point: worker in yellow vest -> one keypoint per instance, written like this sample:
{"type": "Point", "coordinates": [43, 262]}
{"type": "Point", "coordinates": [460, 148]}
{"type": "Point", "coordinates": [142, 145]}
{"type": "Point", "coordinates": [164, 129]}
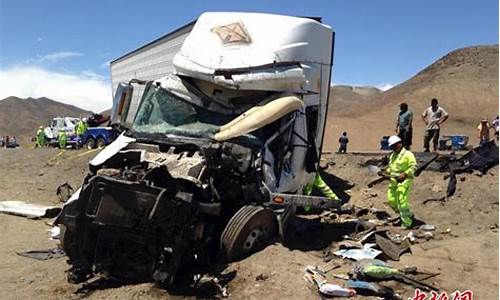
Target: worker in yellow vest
{"type": "Point", "coordinates": [320, 184]}
{"type": "Point", "coordinates": [401, 170]}
{"type": "Point", "coordinates": [40, 137]}
{"type": "Point", "coordinates": [62, 137]}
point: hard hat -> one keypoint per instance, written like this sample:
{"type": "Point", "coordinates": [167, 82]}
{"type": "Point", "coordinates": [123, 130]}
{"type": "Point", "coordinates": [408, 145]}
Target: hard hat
{"type": "Point", "coordinates": [41, 127]}
{"type": "Point", "coordinates": [485, 119]}
{"type": "Point", "coordinates": [84, 119]}
{"type": "Point", "coordinates": [394, 139]}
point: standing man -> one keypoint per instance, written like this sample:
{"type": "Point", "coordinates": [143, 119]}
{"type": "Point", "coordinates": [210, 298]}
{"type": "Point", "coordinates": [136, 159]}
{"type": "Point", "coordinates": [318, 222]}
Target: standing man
{"type": "Point", "coordinates": [433, 117]}
{"type": "Point", "coordinates": [343, 141]}
{"type": "Point", "coordinates": [483, 131]}
{"type": "Point", "coordinates": [40, 137]}
{"type": "Point", "coordinates": [404, 125]}
{"type": "Point", "coordinates": [401, 170]}
{"type": "Point", "coordinates": [80, 129]}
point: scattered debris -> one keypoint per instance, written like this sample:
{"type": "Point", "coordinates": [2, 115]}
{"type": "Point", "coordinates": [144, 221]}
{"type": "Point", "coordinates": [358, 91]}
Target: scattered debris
{"type": "Point", "coordinates": [64, 192]}
{"type": "Point", "coordinates": [262, 277]}
{"type": "Point", "coordinates": [329, 289]}
{"type": "Point", "coordinates": [373, 288]}
{"type": "Point", "coordinates": [209, 286]}
{"type": "Point", "coordinates": [55, 233]}
{"type": "Point", "coordinates": [391, 249]}
{"type": "Point", "coordinates": [43, 254]}
{"type": "Point", "coordinates": [379, 270]}
{"type": "Point", "coordinates": [20, 208]}
{"type": "Point", "coordinates": [358, 254]}
{"type": "Point", "coordinates": [427, 227]}
{"type": "Point", "coordinates": [315, 276]}
{"type": "Point", "coordinates": [411, 236]}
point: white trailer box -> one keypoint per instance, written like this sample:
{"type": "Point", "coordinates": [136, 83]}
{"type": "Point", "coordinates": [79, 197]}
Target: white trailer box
{"type": "Point", "coordinates": [149, 62]}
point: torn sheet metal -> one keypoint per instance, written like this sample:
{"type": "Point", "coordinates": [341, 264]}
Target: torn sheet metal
{"type": "Point", "coordinates": [121, 142]}
{"type": "Point", "coordinates": [357, 254]}
{"type": "Point", "coordinates": [43, 254]}
{"type": "Point", "coordinates": [28, 210]}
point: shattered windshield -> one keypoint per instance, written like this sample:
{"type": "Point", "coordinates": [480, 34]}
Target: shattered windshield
{"type": "Point", "coordinates": [161, 112]}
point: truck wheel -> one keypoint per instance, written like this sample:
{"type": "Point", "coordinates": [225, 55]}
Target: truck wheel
{"type": "Point", "coordinates": [250, 229]}
{"type": "Point", "coordinates": [90, 144]}
{"type": "Point", "coordinates": [101, 143]}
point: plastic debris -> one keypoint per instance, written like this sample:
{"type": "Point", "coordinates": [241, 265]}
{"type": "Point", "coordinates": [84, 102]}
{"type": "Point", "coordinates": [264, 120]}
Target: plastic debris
{"type": "Point", "coordinates": [20, 208]}
{"type": "Point", "coordinates": [377, 269]}
{"type": "Point", "coordinates": [336, 290]}
{"type": "Point", "coordinates": [357, 254]}
{"type": "Point", "coordinates": [411, 236]}
{"type": "Point", "coordinates": [373, 287]}
{"type": "Point", "coordinates": [428, 227]}
{"type": "Point", "coordinates": [55, 232]}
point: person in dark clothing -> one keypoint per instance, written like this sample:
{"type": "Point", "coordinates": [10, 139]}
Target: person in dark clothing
{"type": "Point", "coordinates": [404, 125]}
{"type": "Point", "coordinates": [343, 140]}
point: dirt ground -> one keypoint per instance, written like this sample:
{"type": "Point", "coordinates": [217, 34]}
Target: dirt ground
{"type": "Point", "coordinates": [466, 257]}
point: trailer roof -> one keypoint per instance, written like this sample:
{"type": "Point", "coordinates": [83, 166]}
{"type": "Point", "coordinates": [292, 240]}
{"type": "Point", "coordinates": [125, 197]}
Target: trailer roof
{"type": "Point", "coordinates": [168, 35]}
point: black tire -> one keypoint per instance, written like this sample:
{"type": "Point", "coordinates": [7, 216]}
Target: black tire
{"type": "Point", "coordinates": [90, 144]}
{"type": "Point", "coordinates": [101, 143]}
{"type": "Point", "coordinates": [250, 229]}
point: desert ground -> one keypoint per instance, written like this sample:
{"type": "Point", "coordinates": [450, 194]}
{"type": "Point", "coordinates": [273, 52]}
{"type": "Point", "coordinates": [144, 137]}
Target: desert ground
{"type": "Point", "coordinates": [466, 256]}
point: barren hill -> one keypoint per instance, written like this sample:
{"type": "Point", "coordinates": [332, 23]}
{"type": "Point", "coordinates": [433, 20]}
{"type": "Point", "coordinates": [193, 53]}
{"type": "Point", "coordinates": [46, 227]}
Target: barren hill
{"type": "Point", "coordinates": [465, 81]}
{"type": "Point", "coordinates": [21, 117]}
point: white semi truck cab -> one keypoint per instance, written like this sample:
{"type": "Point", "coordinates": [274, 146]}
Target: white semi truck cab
{"type": "Point", "coordinates": [217, 155]}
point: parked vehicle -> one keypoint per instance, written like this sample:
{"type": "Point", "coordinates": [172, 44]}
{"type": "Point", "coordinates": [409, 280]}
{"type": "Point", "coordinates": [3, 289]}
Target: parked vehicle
{"type": "Point", "coordinates": [66, 124]}
{"type": "Point", "coordinates": [97, 137]}
{"type": "Point", "coordinates": [216, 158]}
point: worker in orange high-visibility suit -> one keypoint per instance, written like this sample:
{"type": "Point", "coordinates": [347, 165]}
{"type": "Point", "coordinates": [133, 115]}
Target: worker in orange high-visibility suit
{"type": "Point", "coordinates": [401, 170]}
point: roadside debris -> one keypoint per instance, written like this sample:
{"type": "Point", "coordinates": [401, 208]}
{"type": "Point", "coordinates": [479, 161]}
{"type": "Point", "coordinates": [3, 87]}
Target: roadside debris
{"type": "Point", "coordinates": [315, 276]}
{"type": "Point", "coordinates": [43, 254]}
{"type": "Point", "coordinates": [336, 290]}
{"type": "Point", "coordinates": [391, 249]}
{"type": "Point", "coordinates": [372, 288]}
{"type": "Point", "coordinates": [357, 254]}
{"type": "Point", "coordinates": [20, 208]}
{"type": "Point", "coordinates": [64, 192]}
{"type": "Point", "coordinates": [376, 269]}
{"type": "Point", "coordinates": [55, 232]}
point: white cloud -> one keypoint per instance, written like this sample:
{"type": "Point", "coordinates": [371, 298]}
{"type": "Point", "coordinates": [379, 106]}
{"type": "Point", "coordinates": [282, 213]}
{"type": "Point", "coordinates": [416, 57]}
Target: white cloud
{"type": "Point", "coordinates": [39, 39]}
{"type": "Point", "coordinates": [385, 86]}
{"type": "Point", "coordinates": [57, 56]}
{"type": "Point", "coordinates": [105, 65]}
{"type": "Point", "coordinates": [88, 91]}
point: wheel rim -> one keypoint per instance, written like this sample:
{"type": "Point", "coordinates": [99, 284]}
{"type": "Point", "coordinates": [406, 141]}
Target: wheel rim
{"type": "Point", "coordinates": [255, 239]}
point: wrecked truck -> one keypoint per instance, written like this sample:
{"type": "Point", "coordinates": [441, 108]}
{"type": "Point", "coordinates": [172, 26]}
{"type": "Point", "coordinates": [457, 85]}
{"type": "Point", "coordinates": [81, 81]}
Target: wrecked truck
{"type": "Point", "coordinates": [215, 161]}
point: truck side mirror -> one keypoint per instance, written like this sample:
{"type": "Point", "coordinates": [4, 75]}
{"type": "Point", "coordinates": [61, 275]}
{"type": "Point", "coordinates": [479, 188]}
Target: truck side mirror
{"type": "Point", "coordinates": [121, 103]}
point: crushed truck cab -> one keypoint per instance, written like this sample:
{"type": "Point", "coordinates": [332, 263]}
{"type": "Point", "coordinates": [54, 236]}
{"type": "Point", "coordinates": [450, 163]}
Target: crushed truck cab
{"type": "Point", "coordinates": [216, 157]}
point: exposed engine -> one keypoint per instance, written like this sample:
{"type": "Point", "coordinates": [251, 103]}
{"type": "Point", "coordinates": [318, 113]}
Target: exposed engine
{"type": "Point", "coordinates": [147, 209]}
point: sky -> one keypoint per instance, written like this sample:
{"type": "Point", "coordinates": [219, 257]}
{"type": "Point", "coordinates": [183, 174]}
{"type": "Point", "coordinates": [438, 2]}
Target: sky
{"type": "Point", "coordinates": [61, 49]}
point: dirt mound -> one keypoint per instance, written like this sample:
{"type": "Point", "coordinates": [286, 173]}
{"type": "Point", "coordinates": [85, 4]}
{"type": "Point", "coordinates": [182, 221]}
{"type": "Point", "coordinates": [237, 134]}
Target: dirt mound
{"type": "Point", "coordinates": [465, 81]}
{"type": "Point", "coordinates": [21, 117]}
{"type": "Point", "coordinates": [348, 98]}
